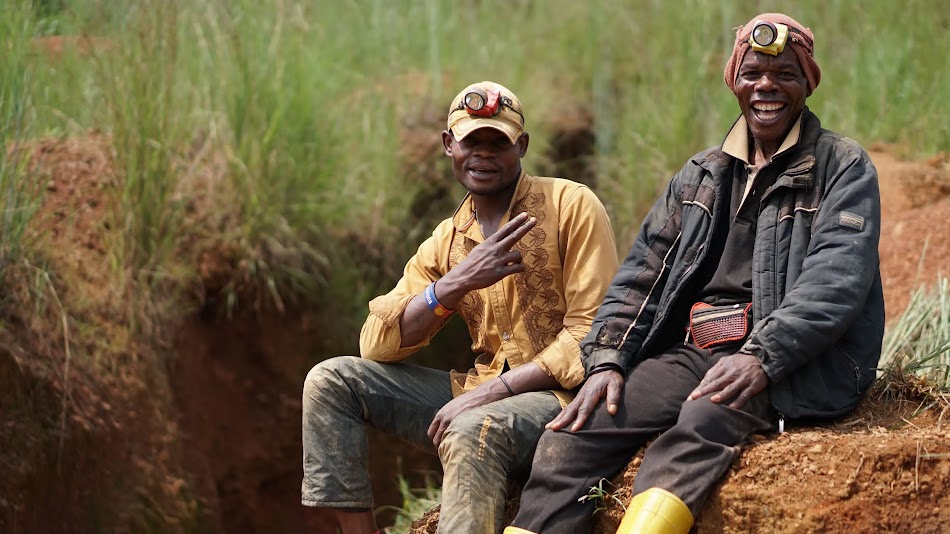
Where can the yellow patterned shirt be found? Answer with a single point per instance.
(539, 315)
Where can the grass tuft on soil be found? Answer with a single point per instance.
(919, 344)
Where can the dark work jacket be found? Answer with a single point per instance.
(818, 306)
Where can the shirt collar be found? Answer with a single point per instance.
(464, 217)
(738, 144)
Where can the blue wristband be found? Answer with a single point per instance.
(433, 303)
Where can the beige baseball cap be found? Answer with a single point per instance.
(508, 119)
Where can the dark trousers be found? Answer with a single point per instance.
(698, 441)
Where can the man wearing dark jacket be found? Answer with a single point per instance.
(752, 294)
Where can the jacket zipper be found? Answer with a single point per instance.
(650, 293)
(661, 316)
(857, 371)
(685, 279)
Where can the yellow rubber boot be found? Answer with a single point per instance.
(516, 530)
(656, 511)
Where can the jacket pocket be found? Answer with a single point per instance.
(827, 386)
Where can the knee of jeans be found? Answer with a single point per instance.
(701, 415)
(329, 375)
(554, 448)
(471, 434)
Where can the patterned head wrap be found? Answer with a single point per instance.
(800, 40)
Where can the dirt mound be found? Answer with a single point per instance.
(884, 468)
(915, 205)
(234, 385)
(571, 150)
(73, 219)
(234, 388)
(84, 431)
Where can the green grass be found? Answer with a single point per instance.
(415, 503)
(603, 499)
(279, 129)
(919, 343)
(307, 102)
(142, 103)
(19, 194)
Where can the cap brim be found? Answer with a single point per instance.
(471, 123)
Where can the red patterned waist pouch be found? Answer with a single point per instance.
(712, 326)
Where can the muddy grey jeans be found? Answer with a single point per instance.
(479, 451)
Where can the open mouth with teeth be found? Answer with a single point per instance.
(766, 111)
(482, 172)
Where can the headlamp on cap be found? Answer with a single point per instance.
(768, 37)
(480, 102)
(486, 103)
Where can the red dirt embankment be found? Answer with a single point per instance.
(213, 444)
(86, 440)
(915, 208)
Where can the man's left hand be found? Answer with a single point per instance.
(738, 377)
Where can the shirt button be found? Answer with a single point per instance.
(505, 336)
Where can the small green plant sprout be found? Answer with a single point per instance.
(416, 502)
(603, 499)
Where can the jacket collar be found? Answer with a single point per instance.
(800, 157)
(738, 146)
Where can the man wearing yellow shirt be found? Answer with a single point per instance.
(525, 262)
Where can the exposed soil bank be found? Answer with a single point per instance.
(212, 443)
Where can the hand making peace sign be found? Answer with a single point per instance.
(494, 259)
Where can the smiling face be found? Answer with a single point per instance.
(771, 91)
(485, 161)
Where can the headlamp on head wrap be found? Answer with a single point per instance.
(772, 33)
(768, 37)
